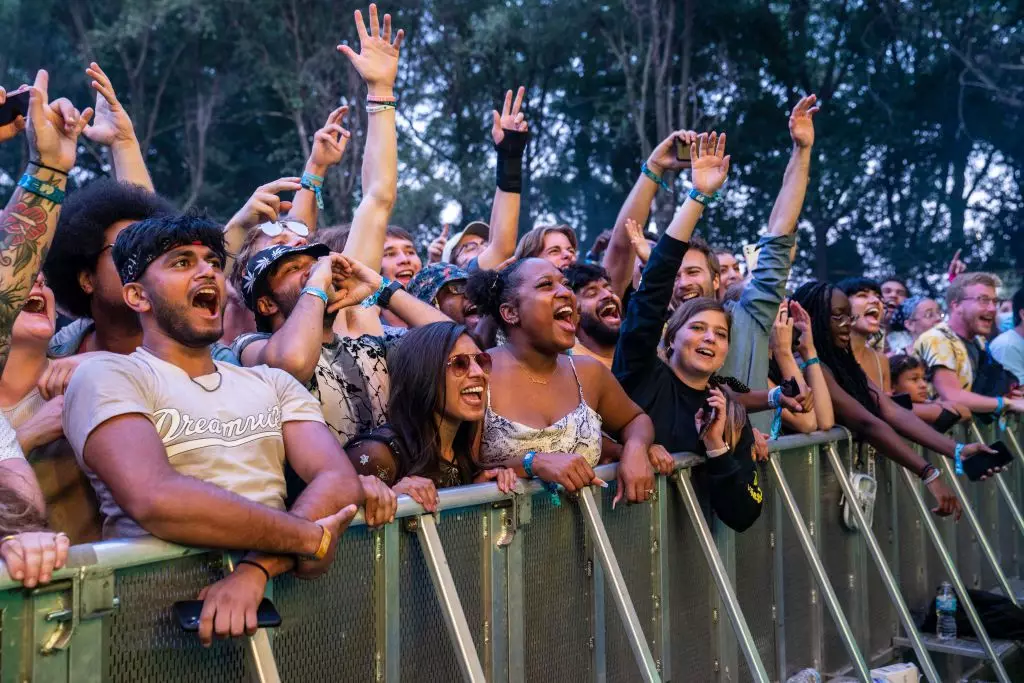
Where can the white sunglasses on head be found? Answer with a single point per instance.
(275, 228)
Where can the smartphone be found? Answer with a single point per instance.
(978, 465)
(682, 150)
(790, 387)
(710, 414)
(15, 106)
(186, 613)
(750, 252)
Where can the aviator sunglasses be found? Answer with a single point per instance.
(461, 362)
(275, 228)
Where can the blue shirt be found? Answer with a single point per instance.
(1008, 349)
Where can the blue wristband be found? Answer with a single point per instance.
(372, 299)
(654, 176)
(808, 363)
(999, 405)
(314, 183)
(528, 463)
(958, 462)
(318, 293)
(774, 396)
(41, 188)
(701, 198)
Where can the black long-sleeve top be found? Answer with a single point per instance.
(730, 480)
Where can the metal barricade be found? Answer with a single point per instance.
(514, 588)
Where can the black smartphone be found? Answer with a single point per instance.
(790, 387)
(15, 106)
(903, 401)
(977, 466)
(186, 613)
(682, 150)
(709, 416)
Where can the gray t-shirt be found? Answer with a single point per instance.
(69, 339)
(1008, 349)
(230, 436)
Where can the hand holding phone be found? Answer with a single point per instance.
(186, 613)
(16, 105)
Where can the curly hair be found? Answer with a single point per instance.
(79, 240)
(816, 299)
(489, 289)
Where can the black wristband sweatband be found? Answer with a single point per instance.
(510, 160)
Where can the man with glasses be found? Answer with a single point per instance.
(954, 349)
(443, 286)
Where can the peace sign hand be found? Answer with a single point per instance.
(377, 61)
(511, 117)
(710, 165)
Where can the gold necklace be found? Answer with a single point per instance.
(530, 376)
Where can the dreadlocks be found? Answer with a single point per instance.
(816, 299)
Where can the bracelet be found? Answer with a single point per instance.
(253, 564)
(958, 462)
(701, 198)
(717, 452)
(315, 291)
(9, 537)
(321, 551)
(372, 299)
(39, 164)
(384, 299)
(378, 108)
(654, 176)
(808, 363)
(378, 99)
(314, 183)
(528, 463)
(931, 473)
(774, 396)
(999, 405)
(42, 189)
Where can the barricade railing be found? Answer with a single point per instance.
(518, 588)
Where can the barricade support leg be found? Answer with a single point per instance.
(448, 597)
(386, 608)
(721, 577)
(661, 627)
(258, 653)
(923, 656)
(615, 581)
(954, 577)
(860, 666)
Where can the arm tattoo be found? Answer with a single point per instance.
(27, 225)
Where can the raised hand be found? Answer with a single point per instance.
(330, 141)
(639, 241)
(377, 60)
(53, 127)
(802, 322)
(436, 249)
(664, 158)
(801, 121)
(714, 438)
(511, 116)
(112, 125)
(710, 165)
(12, 129)
(265, 204)
(781, 338)
(352, 281)
(956, 266)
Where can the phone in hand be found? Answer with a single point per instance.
(790, 387)
(682, 150)
(186, 613)
(978, 465)
(15, 106)
(710, 414)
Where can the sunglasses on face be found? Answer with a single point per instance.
(275, 228)
(460, 363)
(456, 288)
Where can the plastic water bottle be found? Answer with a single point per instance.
(945, 612)
(805, 676)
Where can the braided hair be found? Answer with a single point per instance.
(816, 299)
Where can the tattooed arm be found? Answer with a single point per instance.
(28, 221)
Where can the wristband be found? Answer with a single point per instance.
(958, 462)
(774, 396)
(654, 176)
(808, 363)
(528, 463)
(701, 198)
(999, 405)
(384, 299)
(254, 564)
(41, 188)
(371, 300)
(39, 164)
(717, 452)
(314, 183)
(510, 160)
(315, 291)
(379, 107)
(930, 474)
(321, 551)
(381, 99)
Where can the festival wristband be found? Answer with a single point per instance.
(314, 184)
(654, 176)
(315, 291)
(958, 461)
(41, 188)
(371, 300)
(9, 537)
(929, 474)
(379, 107)
(321, 551)
(701, 198)
(381, 99)
(775, 397)
(808, 363)
(528, 464)
(384, 299)
(254, 564)
(999, 405)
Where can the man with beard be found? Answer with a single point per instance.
(296, 294)
(208, 440)
(953, 350)
(443, 286)
(600, 312)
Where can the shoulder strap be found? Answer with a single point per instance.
(579, 384)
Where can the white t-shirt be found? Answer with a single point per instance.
(230, 437)
(9, 447)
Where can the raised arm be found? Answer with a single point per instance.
(618, 257)
(113, 128)
(28, 221)
(790, 200)
(813, 374)
(510, 133)
(264, 205)
(781, 345)
(329, 145)
(377, 63)
(359, 282)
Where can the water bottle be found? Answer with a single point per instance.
(945, 612)
(805, 676)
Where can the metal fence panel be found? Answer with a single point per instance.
(799, 587)
(882, 617)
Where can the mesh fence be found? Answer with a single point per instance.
(798, 582)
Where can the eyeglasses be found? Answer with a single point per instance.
(460, 363)
(930, 315)
(275, 228)
(983, 300)
(842, 319)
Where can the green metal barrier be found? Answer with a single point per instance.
(510, 587)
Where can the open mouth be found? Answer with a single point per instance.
(35, 304)
(610, 312)
(873, 313)
(565, 316)
(405, 276)
(469, 310)
(690, 293)
(207, 299)
(705, 351)
(473, 395)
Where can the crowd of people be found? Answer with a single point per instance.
(250, 386)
